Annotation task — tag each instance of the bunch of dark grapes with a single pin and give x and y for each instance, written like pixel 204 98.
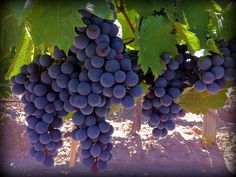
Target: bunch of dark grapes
pixel 106 79
pixel 216 70
pixel 43 106
pixel 160 104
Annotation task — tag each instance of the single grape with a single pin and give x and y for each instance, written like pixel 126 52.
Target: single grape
pixel 58 54
pixel 199 86
pixel 112 66
pixel 204 63
pixel 218 71
pixel 105 28
pixel 95 150
pixel 93 132
pixel 125 64
pixel 94 99
pixel 128 102
pixel 156 132
pixel 102 38
pixel 118 46
pixel 67 67
pixel 119 76
pixel 159 92
pixel 81 41
pixel 166 100
pixel 97 61
pixel 107 80
pixel 86 144
pixel 81 135
pixel 131 79
pixel 165 58
pixel 174 92
pixel 94 74
pixel 136 91
pixel 102 49
pixel 90 50
pixel 170 125
pixel 208 77
pixel 45 60
pixel 212 88
pixel 87 110
pixel 173 64
pixel 84 88
pixel 217 60
pixel 119 91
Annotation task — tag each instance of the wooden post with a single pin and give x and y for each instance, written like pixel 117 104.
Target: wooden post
pixel 137 117
pixel 209 127
pixel 73 152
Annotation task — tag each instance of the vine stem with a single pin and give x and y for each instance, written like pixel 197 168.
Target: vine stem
pixel 131 40
pixel 3 100
pixel 121 9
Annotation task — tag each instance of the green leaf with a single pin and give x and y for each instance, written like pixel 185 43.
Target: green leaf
pixel 200 103
pixel 223 4
pixel 216 6
pixel 96 6
pixel 201 35
pixel 4 65
pixel 228 29
pixel 20 8
pixel 23 56
pixel 193 13
pixel 53 22
pixel 190 38
pixel 211 46
pixel 11 33
pixel 154 39
pixel 147 8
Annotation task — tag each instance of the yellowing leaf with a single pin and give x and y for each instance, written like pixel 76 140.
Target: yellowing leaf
pixel 199 103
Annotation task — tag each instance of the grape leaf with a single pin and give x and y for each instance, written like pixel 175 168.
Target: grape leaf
pixel 193 13
pixel 53 22
pixel 211 46
pixel 4 65
pixel 23 56
pixel 222 4
pixel 154 39
pixel 96 6
pixel 20 8
pixel 201 35
pixel 228 30
pixel 190 38
pixel 11 33
pixel 147 8
pixel 200 103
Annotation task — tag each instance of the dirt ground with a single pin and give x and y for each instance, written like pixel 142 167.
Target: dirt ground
pixel 181 153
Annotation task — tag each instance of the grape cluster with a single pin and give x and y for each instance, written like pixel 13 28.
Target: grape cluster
pixel 43 106
pixel 216 70
pixel 210 74
pixel 106 79
pixel 160 104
